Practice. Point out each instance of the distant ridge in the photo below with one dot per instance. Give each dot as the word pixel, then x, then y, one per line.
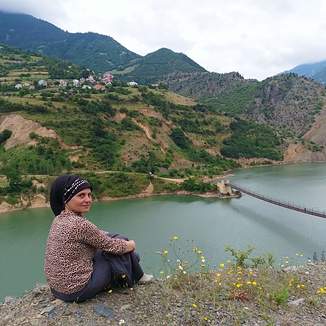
pixel 98 52
pixel 95 51
pixel 153 66
pixel 316 71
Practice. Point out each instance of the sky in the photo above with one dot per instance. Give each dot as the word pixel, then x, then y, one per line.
pixel 257 38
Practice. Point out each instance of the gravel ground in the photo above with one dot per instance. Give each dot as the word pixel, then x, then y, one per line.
pixel 158 304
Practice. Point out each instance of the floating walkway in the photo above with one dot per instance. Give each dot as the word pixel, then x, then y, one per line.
pixel 287 205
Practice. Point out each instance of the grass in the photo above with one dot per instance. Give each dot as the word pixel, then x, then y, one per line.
pixel 238 286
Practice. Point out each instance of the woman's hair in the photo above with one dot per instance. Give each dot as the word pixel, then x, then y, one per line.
pixel 63 189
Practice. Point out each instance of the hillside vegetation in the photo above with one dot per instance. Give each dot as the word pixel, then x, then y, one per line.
pixel 95 51
pixel 57 117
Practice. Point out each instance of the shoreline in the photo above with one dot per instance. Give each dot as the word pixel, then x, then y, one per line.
pixel 5 207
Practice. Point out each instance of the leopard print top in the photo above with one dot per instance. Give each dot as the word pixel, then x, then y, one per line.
pixel 70 249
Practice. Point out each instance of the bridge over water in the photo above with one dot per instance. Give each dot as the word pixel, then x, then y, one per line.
pixel 277 202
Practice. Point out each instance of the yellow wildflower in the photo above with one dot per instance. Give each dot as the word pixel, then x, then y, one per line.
pixel 254 283
pixel 175 237
pixel 194 305
pixel 222 265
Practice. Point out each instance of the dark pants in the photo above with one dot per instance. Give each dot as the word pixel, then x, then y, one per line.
pixel 106 273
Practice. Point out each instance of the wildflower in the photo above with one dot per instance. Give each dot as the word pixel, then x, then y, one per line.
pixel 222 265
pixel 206 318
pixel 180 267
pixel 175 237
pixel 249 282
pixel 165 252
pixel 184 272
pixel 254 283
pixel 199 252
pixel 161 272
pixel 321 290
pixel 194 305
pixel 110 291
pixel 121 322
pixel 238 285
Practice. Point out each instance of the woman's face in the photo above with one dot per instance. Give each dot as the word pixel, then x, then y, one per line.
pixel 81 202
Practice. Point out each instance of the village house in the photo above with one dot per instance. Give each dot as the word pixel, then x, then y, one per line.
pixel 91 79
pixel 42 83
pixel 99 87
pixel 107 78
pixel 63 83
pixel 87 87
pixel 132 83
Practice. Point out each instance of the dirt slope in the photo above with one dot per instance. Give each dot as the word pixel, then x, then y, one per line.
pixel 317 134
pixel 21 129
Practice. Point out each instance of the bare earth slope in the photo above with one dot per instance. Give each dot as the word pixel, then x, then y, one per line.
pixel 316 134
pixel 21 129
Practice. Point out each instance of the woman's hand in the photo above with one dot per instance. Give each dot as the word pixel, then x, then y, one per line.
pixel 131 245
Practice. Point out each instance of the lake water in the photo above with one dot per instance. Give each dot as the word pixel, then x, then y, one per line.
pixel 207 223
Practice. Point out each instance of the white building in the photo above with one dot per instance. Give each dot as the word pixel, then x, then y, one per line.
pixel 132 83
pixel 42 83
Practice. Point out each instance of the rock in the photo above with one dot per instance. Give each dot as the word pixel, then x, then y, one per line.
pixel 9 300
pixel 57 302
pixel 290 269
pixel 78 314
pixel 297 302
pixel 103 310
pixel 125 307
pixel 48 310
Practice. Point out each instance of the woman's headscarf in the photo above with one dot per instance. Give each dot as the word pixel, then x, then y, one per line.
pixel 63 189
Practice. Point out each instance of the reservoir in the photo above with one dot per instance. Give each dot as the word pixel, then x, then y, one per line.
pixel 209 224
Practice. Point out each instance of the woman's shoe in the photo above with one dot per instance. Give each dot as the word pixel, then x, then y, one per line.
pixel 146 278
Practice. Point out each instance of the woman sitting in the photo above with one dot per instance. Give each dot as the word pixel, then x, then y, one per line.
pixel 82 260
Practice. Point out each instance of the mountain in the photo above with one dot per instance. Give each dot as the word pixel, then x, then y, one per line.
pixel 286 102
pixel 316 71
pixel 153 67
pixel 49 129
pixel 201 84
pixel 95 51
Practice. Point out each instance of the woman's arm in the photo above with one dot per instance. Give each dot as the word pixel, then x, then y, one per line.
pixel 95 237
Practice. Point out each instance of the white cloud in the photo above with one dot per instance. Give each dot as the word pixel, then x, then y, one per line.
pixel 258 38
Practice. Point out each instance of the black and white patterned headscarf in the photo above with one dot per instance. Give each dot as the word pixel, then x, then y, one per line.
pixel 63 189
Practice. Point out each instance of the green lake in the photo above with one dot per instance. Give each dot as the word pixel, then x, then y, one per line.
pixel 207 223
